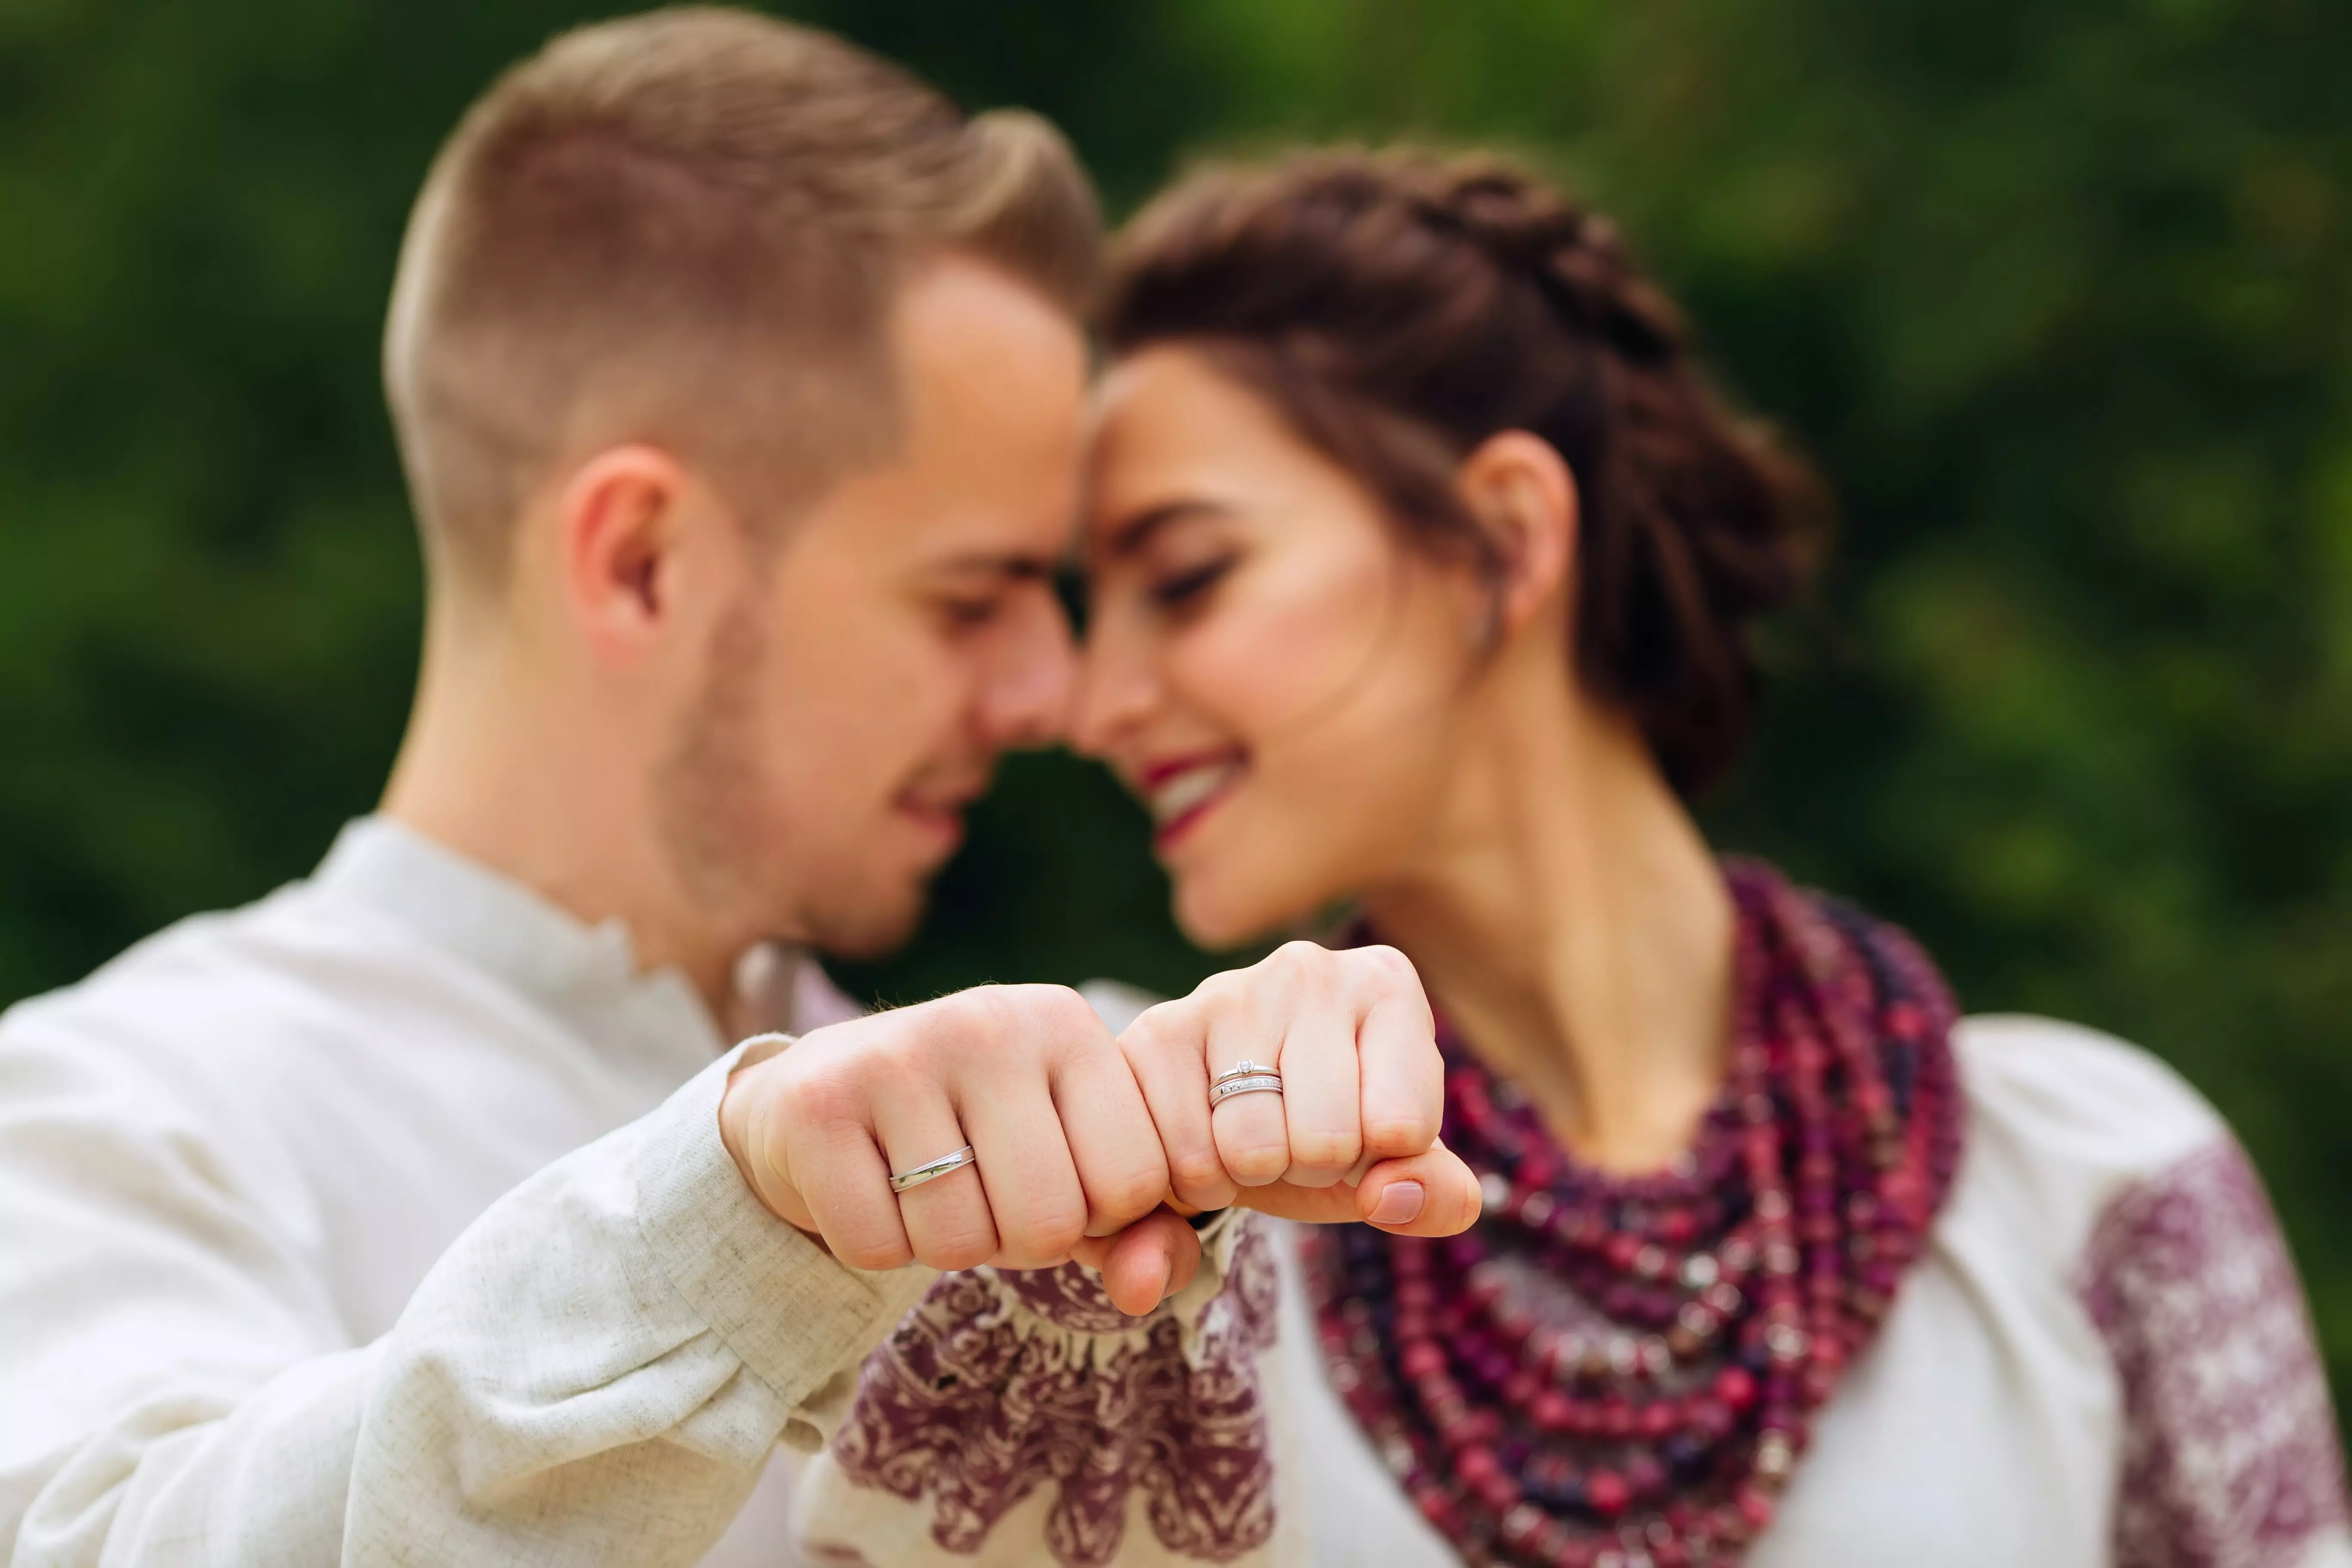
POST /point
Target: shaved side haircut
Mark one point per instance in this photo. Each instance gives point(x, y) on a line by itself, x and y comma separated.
point(687, 228)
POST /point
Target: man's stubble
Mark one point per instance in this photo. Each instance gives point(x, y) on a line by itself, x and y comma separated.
point(721, 822)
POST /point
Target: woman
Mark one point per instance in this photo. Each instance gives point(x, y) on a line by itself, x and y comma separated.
point(1424, 561)
point(1423, 565)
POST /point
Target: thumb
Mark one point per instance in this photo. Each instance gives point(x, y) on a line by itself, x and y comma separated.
point(1431, 1193)
point(1146, 1263)
point(1446, 1205)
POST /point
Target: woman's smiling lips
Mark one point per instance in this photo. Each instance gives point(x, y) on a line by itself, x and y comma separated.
point(1181, 791)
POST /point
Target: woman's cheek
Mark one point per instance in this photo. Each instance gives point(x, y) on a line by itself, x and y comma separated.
point(1239, 679)
point(1280, 658)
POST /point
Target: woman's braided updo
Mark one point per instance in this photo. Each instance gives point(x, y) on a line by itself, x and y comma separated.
point(1401, 308)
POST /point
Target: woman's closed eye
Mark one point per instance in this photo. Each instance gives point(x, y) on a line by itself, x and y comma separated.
point(1184, 589)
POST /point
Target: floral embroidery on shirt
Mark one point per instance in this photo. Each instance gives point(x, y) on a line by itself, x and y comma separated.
point(2231, 1457)
point(1002, 1381)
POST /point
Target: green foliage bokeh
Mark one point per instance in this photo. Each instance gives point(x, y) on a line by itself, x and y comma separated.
point(2059, 293)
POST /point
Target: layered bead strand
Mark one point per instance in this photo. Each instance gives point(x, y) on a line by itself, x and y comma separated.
point(1622, 1371)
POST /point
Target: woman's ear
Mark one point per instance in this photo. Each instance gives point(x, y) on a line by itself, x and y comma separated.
point(1520, 493)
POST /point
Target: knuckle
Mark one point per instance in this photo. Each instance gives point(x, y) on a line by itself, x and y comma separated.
point(959, 1246)
point(986, 1016)
point(1039, 1017)
point(1301, 962)
point(1050, 1231)
point(1299, 952)
point(1400, 1134)
point(1219, 989)
point(1150, 1032)
point(1325, 1150)
point(1263, 1160)
point(1386, 966)
point(1197, 1172)
point(875, 1257)
point(1070, 1018)
point(1130, 1193)
point(826, 1096)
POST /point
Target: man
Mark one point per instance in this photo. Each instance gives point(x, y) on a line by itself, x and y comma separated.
point(736, 376)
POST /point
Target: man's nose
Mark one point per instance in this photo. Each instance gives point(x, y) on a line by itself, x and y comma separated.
point(1113, 694)
point(1028, 698)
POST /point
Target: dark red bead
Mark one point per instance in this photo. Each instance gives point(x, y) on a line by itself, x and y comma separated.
point(1736, 1387)
point(1421, 1359)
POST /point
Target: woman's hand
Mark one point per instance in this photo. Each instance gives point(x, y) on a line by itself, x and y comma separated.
point(1352, 1135)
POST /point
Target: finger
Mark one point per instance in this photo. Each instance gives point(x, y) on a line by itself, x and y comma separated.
point(1320, 1096)
point(1248, 1018)
point(1164, 1051)
point(1145, 1263)
point(1448, 1200)
point(1446, 1205)
point(837, 1169)
point(948, 1219)
point(1111, 1136)
point(1031, 1182)
point(1403, 1076)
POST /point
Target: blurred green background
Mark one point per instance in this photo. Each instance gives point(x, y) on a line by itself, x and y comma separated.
point(2059, 292)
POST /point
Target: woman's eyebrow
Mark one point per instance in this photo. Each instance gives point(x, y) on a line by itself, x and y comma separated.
point(1135, 531)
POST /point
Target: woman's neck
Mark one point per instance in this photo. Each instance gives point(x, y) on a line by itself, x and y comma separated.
point(1572, 924)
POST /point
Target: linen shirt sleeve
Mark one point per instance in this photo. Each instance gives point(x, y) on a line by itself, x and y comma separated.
point(595, 1371)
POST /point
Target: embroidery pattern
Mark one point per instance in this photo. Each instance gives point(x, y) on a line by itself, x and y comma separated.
point(2231, 1457)
point(977, 1400)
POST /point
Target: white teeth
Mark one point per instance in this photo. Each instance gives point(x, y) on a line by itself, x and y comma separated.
point(1172, 798)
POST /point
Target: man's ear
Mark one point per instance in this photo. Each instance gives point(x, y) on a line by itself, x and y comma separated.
point(620, 518)
point(1519, 490)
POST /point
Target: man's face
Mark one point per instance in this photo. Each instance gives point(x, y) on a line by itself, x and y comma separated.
point(904, 635)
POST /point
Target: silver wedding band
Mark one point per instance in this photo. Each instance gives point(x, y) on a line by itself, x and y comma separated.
point(939, 1167)
point(1244, 1078)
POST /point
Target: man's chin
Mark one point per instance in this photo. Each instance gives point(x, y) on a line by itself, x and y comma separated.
point(869, 931)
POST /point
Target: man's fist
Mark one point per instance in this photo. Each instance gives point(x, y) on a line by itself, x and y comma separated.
point(1064, 1151)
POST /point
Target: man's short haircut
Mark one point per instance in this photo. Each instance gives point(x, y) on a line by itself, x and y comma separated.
point(687, 228)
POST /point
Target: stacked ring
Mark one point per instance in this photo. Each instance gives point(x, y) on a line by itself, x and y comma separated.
point(1244, 1078)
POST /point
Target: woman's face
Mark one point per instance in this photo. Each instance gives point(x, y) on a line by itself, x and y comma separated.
point(1267, 666)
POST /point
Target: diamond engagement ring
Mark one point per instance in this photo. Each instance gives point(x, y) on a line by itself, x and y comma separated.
point(934, 1171)
point(1244, 1078)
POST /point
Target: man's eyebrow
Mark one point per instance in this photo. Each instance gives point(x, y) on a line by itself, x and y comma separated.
point(1019, 566)
point(1134, 532)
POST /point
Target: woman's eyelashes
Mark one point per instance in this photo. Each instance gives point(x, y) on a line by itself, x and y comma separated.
point(1184, 589)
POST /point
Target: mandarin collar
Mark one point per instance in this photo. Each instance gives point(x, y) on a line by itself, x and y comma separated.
point(588, 975)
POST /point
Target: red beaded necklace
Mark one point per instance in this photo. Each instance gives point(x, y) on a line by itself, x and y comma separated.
point(1621, 1372)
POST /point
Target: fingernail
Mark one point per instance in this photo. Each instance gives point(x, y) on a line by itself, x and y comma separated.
point(1167, 1277)
point(1400, 1203)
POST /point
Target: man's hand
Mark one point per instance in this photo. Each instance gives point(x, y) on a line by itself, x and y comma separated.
point(1068, 1160)
point(1353, 1134)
